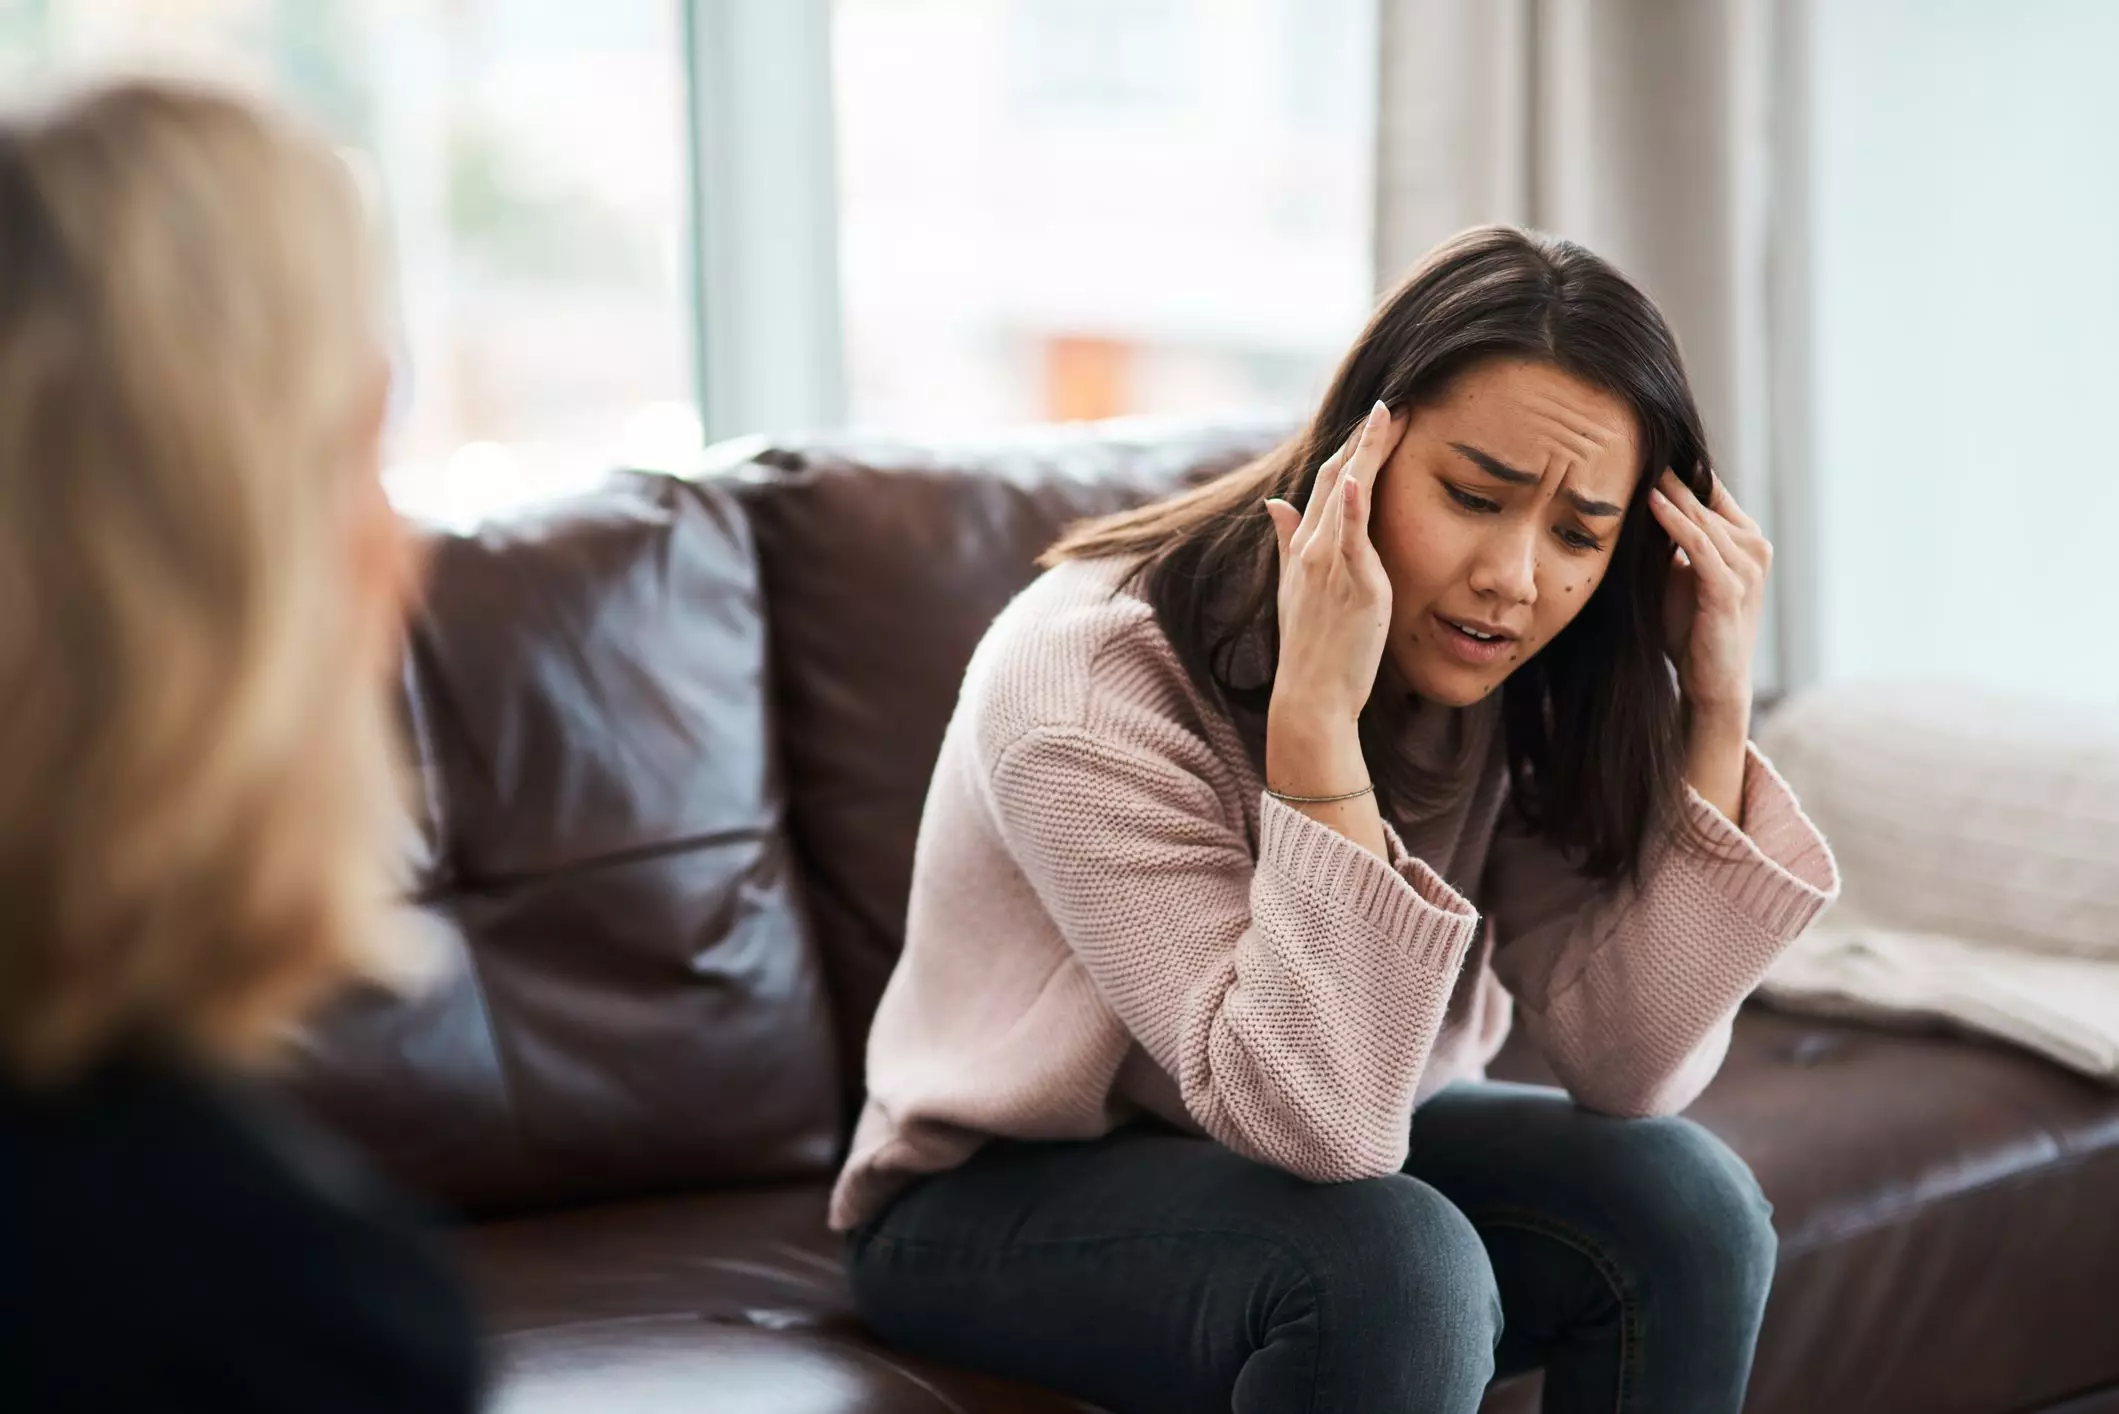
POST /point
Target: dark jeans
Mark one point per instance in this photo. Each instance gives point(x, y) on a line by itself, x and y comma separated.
point(1153, 1271)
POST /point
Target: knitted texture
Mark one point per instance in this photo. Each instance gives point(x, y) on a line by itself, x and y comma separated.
point(1110, 916)
point(1963, 812)
point(1979, 833)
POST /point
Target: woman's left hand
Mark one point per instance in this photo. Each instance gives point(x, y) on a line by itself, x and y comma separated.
point(1717, 592)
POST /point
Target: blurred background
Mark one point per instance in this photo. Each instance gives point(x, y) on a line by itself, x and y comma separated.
point(625, 230)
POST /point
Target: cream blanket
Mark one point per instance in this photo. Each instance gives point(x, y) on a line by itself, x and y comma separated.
point(1978, 843)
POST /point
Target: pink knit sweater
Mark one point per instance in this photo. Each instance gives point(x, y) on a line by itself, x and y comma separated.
point(1109, 916)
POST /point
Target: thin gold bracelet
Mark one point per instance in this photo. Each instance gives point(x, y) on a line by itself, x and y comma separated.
point(1319, 799)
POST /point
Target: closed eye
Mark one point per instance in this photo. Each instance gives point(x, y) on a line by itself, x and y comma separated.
point(1579, 540)
point(1470, 502)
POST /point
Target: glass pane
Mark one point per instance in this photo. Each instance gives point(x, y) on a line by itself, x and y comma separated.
point(529, 156)
point(1080, 208)
point(1964, 360)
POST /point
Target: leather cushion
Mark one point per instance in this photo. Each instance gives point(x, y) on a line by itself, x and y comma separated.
point(631, 1000)
point(1949, 1243)
point(724, 1304)
point(1949, 1247)
point(677, 1365)
point(883, 565)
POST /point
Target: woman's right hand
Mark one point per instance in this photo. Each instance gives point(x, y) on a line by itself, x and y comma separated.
point(1335, 600)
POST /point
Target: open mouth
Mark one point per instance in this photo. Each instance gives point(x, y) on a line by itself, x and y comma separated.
point(1473, 645)
point(1476, 635)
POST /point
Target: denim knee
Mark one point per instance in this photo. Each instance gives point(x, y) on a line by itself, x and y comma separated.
point(1704, 1222)
point(1398, 1277)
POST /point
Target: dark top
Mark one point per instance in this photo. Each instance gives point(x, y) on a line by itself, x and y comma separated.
point(170, 1241)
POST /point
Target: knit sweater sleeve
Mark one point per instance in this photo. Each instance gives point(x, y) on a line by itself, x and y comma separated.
point(1294, 997)
point(1630, 990)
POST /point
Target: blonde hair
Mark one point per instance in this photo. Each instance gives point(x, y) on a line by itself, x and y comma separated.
point(197, 781)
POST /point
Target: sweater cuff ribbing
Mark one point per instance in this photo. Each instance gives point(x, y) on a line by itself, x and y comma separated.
point(1778, 869)
point(1404, 901)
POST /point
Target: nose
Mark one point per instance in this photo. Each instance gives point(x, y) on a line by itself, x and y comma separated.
point(1506, 566)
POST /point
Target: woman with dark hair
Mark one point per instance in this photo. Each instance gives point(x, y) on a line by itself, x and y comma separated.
point(1261, 813)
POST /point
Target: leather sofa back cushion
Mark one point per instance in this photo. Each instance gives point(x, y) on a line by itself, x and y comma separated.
point(630, 999)
point(883, 565)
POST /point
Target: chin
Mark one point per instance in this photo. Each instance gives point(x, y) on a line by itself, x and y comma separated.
point(1450, 686)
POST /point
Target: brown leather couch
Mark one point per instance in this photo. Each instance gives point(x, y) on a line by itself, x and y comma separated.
point(673, 738)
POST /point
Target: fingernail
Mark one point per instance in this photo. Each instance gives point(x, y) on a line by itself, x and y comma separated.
point(1380, 413)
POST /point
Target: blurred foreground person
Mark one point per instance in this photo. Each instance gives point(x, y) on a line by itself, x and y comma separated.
point(201, 587)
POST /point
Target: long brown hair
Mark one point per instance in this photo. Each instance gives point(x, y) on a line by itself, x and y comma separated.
point(1593, 723)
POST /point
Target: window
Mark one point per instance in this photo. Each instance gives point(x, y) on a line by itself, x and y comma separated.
point(530, 156)
point(1964, 361)
point(1056, 209)
point(1049, 208)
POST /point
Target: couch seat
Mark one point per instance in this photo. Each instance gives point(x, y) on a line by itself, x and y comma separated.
point(1949, 1229)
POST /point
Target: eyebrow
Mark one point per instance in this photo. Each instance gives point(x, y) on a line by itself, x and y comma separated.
point(1502, 471)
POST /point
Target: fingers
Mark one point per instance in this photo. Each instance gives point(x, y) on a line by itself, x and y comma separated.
point(1353, 515)
point(1723, 504)
point(1363, 452)
point(1380, 436)
point(1734, 530)
point(1718, 530)
point(1709, 563)
point(1286, 520)
point(1742, 547)
point(1372, 447)
point(1317, 511)
point(1334, 523)
point(1338, 458)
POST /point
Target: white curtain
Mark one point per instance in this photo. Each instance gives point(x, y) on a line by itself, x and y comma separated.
point(1657, 133)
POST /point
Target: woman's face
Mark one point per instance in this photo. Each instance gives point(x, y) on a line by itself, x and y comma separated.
point(384, 561)
point(1497, 514)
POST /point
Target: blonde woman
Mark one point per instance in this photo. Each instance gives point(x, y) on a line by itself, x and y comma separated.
point(200, 588)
